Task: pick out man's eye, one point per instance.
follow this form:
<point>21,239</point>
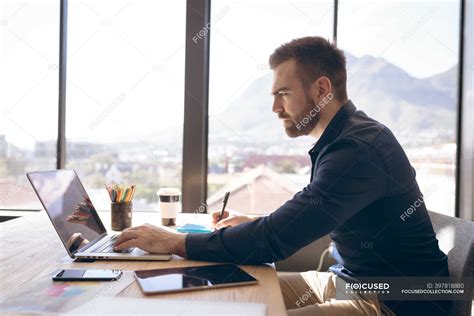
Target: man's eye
<point>282,94</point>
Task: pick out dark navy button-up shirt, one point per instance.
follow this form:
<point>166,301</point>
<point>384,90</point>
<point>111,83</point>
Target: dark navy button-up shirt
<point>362,192</point>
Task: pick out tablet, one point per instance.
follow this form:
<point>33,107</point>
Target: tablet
<point>192,278</point>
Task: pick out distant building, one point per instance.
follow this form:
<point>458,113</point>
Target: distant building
<point>114,174</point>
<point>81,150</point>
<point>256,191</point>
<point>274,160</point>
<point>16,196</point>
<point>75,150</point>
<point>45,149</point>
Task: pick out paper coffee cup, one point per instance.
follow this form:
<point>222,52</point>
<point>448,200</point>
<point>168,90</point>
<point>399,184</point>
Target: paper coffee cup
<point>169,205</point>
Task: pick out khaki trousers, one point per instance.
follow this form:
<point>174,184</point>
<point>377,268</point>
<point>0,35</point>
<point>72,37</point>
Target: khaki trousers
<point>314,293</point>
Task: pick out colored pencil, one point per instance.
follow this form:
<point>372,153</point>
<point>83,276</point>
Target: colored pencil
<point>120,193</point>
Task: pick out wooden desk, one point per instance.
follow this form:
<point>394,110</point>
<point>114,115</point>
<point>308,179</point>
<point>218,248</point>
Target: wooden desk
<point>30,248</point>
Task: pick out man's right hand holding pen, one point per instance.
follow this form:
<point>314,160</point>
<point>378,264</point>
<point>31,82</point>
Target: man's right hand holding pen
<point>230,218</point>
<point>223,218</point>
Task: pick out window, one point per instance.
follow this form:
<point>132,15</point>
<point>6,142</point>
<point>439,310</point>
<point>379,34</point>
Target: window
<point>402,71</point>
<point>249,152</point>
<point>125,96</point>
<point>29,46</point>
<point>125,83</point>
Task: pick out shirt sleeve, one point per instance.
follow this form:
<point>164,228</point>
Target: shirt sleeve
<point>349,176</point>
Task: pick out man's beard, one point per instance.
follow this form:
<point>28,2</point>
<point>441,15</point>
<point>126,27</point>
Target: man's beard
<point>302,123</point>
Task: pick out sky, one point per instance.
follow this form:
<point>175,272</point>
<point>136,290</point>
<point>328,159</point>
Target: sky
<point>126,58</point>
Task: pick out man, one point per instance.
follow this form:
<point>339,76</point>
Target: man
<point>361,187</point>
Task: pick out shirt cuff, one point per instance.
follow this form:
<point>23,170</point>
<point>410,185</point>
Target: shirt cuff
<point>196,246</point>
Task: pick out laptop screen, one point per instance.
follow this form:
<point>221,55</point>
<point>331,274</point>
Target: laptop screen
<point>68,206</point>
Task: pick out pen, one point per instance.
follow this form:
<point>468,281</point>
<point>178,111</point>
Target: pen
<point>226,198</point>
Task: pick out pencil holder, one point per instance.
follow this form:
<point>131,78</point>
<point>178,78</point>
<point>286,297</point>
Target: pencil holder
<point>121,215</point>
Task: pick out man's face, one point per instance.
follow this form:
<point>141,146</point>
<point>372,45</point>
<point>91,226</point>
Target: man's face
<point>291,102</point>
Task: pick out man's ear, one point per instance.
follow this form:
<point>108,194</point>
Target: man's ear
<point>321,87</point>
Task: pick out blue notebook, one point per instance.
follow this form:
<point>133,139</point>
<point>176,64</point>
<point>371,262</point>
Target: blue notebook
<point>193,228</point>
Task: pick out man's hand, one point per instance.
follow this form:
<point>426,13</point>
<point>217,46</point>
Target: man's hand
<point>152,239</point>
<point>232,218</point>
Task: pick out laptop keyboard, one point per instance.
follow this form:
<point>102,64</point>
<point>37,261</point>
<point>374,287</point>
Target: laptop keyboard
<point>108,247</point>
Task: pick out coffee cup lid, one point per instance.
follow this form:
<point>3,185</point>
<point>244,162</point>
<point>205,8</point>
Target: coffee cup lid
<point>168,191</point>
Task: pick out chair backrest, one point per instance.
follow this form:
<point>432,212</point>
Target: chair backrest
<point>456,239</point>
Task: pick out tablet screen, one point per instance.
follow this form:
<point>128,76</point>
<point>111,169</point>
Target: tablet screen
<point>192,278</point>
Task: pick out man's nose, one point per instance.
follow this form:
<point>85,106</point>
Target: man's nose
<point>276,107</point>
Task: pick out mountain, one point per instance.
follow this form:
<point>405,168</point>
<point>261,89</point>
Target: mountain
<point>407,105</point>
<point>368,73</point>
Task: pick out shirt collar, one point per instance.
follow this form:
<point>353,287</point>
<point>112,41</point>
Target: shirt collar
<point>334,127</point>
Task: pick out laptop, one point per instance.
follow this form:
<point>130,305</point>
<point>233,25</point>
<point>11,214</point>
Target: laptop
<point>76,221</point>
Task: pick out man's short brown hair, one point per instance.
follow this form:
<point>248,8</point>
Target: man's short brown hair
<point>315,57</point>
